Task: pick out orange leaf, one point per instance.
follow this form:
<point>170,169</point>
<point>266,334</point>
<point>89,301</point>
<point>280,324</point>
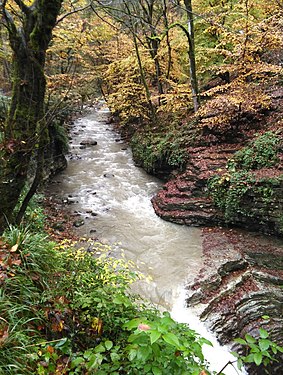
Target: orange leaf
<point>50,349</point>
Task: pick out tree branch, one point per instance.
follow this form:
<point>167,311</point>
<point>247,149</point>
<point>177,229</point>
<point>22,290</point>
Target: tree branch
<point>24,8</point>
<point>72,12</point>
<point>8,20</point>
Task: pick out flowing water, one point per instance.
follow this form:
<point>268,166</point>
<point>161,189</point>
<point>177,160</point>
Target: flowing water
<point>113,196</point>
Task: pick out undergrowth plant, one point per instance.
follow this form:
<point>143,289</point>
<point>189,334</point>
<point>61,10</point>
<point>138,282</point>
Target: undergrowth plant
<point>67,309</point>
<point>161,149</point>
<point>260,351</point>
<point>230,187</point>
<point>26,262</point>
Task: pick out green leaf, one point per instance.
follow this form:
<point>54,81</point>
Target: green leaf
<point>76,362</point>
<point>94,361</point>
<point>171,339</point>
<point>156,350</point>
<point>133,337</point>
<point>235,354</point>
<point>132,323</point>
<point>147,368</point>
<point>205,341</point>
<point>132,354</point>
<point>263,333</point>
<point>115,357</point>
<point>154,336</point>
<point>258,358</point>
<point>108,344</point>
<point>239,364</point>
<point>241,341</point>
<point>156,370</point>
<point>61,342</point>
<point>100,348</point>
<point>249,358</point>
<point>144,352</point>
<point>250,339</point>
<point>263,344</point>
<point>119,300</point>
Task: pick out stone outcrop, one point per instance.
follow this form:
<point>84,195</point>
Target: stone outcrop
<point>184,199</point>
<point>240,282</point>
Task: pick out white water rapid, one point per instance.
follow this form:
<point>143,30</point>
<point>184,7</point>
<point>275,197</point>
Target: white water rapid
<point>113,197</point>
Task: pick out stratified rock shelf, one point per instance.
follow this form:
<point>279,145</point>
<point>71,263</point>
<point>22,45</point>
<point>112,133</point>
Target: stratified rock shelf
<point>240,282</point>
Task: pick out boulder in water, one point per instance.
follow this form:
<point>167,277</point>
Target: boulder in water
<point>88,142</point>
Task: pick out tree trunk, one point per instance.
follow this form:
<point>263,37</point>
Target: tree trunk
<point>25,123</point>
<point>191,52</point>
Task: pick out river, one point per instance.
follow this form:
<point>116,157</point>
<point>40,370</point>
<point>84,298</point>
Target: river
<point>113,196</point>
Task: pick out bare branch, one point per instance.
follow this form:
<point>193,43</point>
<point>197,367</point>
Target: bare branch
<point>72,12</point>
<point>24,8</point>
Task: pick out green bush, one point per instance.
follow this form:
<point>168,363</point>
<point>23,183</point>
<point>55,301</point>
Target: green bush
<point>164,149</point>
<point>229,188</point>
<point>260,351</point>
<point>261,153</point>
<point>98,291</point>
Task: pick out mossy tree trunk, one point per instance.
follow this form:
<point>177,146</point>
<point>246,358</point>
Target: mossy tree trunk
<point>25,131</point>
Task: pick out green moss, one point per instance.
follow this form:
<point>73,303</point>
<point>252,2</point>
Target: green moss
<point>160,150</point>
<point>229,190</point>
<point>261,153</point>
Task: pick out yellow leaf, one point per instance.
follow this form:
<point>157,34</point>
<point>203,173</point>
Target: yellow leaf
<point>14,248</point>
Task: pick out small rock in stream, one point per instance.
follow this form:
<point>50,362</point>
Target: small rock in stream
<point>78,223</point>
<point>88,142</point>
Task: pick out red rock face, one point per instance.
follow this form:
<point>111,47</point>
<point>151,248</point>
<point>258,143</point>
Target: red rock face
<point>184,199</point>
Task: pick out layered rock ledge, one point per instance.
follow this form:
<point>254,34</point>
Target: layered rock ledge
<point>240,282</point>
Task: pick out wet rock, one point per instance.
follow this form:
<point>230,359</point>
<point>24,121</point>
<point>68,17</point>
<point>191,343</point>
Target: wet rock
<point>60,226</point>
<point>240,282</point>
<point>88,142</point>
<point>78,223</point>
<point>71,200</point>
